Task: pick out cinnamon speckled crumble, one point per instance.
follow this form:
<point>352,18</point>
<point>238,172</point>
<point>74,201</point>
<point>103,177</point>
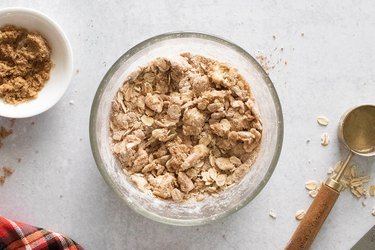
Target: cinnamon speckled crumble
<point>185,127</point>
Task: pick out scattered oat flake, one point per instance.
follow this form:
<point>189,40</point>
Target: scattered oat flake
<point>71,102</point>
<point>330,171</point>
<point>372,191</point>
<point>356,183</point>
<point>351,181</point>
<point>313,193</point>
<point>324,140</point>
<point>300,214</point>
<point>356,193</point>
<point>273,214</point>
<point>322,120</point>
<point>373,211</point>
<point>311,185</point>
<point>363,203</point>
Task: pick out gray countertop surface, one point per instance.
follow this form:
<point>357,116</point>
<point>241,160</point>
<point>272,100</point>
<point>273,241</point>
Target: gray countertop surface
<point>326,66</point>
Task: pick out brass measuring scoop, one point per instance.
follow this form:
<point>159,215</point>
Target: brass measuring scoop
<point>357,133</point>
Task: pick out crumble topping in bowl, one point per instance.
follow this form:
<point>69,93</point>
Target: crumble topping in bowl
<point>185,127</point>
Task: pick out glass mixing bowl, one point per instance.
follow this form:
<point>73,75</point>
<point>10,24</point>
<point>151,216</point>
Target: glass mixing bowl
<point>212,208</point>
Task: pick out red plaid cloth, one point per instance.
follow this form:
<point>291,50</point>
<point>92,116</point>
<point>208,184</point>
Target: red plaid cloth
<point>20,236</point>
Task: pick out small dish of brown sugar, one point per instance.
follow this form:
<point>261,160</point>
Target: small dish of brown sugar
<point>36,63</point>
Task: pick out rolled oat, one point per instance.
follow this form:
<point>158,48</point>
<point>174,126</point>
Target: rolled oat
<point>324,140</point>
<point>273,214</point>
<point>300,214</point>
<point>322,120</point>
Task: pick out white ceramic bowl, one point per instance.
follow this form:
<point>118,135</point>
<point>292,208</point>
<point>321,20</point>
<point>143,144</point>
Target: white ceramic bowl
<point>62,59</point>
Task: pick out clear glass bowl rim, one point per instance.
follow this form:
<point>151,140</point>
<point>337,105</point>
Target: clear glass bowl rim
<point>146,43</point>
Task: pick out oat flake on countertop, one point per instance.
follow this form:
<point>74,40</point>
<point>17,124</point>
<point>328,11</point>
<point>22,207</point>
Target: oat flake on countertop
<point>311,185</point>
<point>372,191</point>
<point>273,214</point>
<point>351,181</point>
<point>324,140</point>
<point>322,120</point>
<point>300,214</point>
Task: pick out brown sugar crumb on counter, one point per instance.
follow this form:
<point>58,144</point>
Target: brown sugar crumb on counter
<point>25,64</point>
<point>185,127</point>
<point>3,134</point>
<point>6,173</point>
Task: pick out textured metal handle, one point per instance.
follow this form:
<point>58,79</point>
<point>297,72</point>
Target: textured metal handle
<point>309,227</point>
